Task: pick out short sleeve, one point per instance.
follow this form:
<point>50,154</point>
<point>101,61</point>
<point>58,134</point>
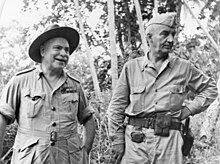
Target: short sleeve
<point>9,101</point>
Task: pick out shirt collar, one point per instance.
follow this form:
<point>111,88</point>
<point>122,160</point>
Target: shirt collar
<point>147,63</point>
<point>40,73</point>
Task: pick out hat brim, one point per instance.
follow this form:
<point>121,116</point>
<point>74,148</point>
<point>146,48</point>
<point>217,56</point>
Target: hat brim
<point>68,33</point>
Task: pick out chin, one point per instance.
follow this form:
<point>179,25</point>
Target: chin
<point>59,66</point>
<point>164,55</point>
<point>62,64</point>
<point>166,51</point>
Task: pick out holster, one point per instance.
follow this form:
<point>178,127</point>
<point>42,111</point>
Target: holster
<point>162,125</point>
<point>188,138</point>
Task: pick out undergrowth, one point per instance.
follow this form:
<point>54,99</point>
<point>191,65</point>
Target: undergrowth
<point>201,153</point>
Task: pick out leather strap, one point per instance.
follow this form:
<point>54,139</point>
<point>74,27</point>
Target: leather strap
<point>150,122</point>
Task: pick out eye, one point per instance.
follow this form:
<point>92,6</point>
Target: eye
<point>67,50</point>
<point>173,34</point>
<point>164,33</point>
<point>57,48</point>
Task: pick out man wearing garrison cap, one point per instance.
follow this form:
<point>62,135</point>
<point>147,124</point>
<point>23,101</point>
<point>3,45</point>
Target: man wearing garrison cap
<point>48,104</point>
<point>147,107</point>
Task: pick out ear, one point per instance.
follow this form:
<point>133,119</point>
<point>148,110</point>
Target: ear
<point>41,50</point>
<point>149,36</point>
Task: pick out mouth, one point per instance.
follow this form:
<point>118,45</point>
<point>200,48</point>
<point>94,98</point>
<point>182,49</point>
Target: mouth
<point>61,60</point>
<point>167,46</point>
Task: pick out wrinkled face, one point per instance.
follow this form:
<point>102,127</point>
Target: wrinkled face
<point>55,53</point>
<point>161,39</point>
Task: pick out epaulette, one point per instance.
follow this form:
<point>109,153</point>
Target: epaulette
<point>73,78</point>
<point>25,71</point>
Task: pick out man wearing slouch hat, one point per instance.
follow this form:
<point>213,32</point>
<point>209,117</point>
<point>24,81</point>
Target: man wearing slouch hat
<point>48,104</point>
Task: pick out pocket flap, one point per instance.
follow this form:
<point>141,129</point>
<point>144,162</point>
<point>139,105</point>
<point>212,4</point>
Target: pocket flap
<point>163,121</point>
<point>137,89</point>
<point>38,94</point>
<point>29,143</point>
<point>72,97</point>
<point>34,94</point>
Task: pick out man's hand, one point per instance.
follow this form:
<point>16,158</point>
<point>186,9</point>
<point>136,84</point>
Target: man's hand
<point>185,112</point>
<point>117,153</point>
<point>89,134</point>
<point>87,149</point>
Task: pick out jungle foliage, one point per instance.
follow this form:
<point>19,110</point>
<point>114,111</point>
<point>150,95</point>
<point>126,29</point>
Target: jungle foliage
<point>198,49</point>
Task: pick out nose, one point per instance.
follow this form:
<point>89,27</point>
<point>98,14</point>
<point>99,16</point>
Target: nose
<point>170,38</point>
<point>63,52</point>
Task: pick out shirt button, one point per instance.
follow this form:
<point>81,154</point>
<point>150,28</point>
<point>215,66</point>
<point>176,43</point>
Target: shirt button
<point>54,124</point>
<point>155,90</point>
<point>53,108</point>
<point>52,143</point>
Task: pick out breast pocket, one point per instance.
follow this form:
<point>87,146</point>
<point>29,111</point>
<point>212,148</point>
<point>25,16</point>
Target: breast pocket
<point>137,99</point>
<point>33,102</point>
<point>177,95</point>
<point>70,101</point>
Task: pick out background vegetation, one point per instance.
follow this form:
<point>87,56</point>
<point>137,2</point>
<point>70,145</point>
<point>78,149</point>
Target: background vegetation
<point>16,38</point>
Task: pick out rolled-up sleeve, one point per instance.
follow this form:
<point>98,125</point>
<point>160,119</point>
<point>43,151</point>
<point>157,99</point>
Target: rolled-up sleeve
<point>205,89</point>
<point>9,100</point>
<point>116,109</point>
<point>85,110</point>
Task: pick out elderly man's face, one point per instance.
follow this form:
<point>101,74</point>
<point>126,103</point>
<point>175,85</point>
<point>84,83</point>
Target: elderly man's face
<point>55,53</point>
<point>161,39</point>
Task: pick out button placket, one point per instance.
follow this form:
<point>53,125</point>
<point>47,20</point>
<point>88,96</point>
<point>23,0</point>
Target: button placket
<point>155,92</point>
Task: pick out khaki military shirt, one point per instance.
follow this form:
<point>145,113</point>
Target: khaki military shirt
<point>141,90</point>
<point>47,117</point>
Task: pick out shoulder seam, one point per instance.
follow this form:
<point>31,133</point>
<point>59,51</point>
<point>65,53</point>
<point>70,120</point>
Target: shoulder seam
<point>25,71</point>
<point>73,78</point>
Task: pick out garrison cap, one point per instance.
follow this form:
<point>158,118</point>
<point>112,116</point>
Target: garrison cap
<point>167,19</point>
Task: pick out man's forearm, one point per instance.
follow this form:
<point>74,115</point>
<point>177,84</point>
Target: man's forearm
<point>89,133</point>
<point>2,132</point>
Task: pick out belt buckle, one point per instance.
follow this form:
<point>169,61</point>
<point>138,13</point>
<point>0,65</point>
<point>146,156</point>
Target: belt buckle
<point>53,137</point>
<point>148,122</point>
<point>151,122</point>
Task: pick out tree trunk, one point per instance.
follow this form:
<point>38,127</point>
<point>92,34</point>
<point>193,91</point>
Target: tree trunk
<point>142,31</point>
<point>178,11</point>
<point>203,28</point>
<point>2,6</point>
<point>89,55</point>
<point>156,6</point>
<point>113,52</point>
